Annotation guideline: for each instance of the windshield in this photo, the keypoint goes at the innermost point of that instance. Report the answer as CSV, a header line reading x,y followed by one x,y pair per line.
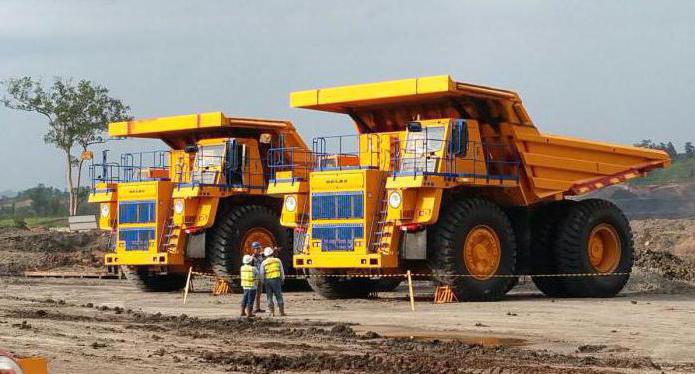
x,y
430,139
419,147
208,162
210,155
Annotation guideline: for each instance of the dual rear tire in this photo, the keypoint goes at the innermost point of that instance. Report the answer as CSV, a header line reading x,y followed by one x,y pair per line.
x,y
591,239
473,248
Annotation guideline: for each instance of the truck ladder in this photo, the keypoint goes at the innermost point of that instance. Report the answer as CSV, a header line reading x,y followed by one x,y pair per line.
x,y
383,229
170,236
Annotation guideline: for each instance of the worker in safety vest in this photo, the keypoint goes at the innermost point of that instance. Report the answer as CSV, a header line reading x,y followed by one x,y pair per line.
x,y
273,275
249,279
257,261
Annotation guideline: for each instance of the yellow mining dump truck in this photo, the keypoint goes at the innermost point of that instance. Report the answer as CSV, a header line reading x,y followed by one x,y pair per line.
x,y
201,203
453,180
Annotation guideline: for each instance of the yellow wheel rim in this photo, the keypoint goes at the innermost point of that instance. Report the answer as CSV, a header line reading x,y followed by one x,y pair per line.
x,y
604,248
482,252
257,234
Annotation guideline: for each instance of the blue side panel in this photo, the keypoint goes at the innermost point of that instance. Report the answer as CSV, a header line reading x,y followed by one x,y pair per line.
x,y
337,237
136,239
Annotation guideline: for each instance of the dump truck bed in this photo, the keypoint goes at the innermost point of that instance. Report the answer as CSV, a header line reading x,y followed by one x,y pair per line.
x,y
177,131
551,165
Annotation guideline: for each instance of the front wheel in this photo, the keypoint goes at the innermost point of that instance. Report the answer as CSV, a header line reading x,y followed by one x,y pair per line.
x,y
336,286
145,280
234,231
473,249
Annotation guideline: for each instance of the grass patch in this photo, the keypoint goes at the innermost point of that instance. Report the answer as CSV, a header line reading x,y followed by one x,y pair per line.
x,y
37,222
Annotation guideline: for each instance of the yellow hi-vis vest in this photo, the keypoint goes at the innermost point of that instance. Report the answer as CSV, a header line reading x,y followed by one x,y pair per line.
x,y
271,268
248,278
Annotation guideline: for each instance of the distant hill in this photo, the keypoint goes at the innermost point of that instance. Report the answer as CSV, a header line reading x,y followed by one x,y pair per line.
x,y
8,193
682,170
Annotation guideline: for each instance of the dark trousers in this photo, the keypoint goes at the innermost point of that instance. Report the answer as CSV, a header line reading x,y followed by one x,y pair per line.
x,y
249,297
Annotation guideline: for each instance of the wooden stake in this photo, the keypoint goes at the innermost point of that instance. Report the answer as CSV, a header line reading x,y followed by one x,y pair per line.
x,y
410,290
188,284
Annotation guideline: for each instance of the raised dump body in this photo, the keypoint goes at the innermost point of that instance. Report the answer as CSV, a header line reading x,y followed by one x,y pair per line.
x,y
172,209
454,179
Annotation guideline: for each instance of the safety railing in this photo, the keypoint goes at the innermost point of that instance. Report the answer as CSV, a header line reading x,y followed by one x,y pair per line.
x,y
346,152
133,167
461,159
328,153
297,160
224,172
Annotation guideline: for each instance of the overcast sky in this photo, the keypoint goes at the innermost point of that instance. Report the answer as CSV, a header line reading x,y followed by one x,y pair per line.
x,y
618,71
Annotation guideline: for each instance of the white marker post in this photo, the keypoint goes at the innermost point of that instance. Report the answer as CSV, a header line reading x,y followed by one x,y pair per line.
x,y
188,283
410,290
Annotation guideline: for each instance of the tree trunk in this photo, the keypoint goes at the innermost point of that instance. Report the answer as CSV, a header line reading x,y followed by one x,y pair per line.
x,y
79,183
71,190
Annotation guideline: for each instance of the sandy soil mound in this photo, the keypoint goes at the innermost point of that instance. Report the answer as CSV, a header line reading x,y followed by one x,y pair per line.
x,y
24,250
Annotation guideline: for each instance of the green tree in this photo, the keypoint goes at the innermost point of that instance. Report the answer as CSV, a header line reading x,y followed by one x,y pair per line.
x,y
77,115
689,150
646,143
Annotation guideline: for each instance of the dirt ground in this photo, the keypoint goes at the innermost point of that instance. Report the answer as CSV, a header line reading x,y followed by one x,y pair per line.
x,y
41,249
108,326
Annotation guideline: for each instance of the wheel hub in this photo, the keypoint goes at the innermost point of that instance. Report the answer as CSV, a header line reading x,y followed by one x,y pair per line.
x,y
604,248
257,234
481,252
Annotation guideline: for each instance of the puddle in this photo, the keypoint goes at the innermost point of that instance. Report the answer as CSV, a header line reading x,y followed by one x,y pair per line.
x,y
429,335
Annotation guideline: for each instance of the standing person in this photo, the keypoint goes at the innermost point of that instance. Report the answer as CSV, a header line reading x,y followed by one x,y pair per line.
x,y
257,261
273,275
249,278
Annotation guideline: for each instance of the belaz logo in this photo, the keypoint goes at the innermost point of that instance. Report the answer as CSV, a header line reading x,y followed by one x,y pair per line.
x,y
336,181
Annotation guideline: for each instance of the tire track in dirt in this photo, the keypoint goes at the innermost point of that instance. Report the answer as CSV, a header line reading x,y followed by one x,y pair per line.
x,y
269,345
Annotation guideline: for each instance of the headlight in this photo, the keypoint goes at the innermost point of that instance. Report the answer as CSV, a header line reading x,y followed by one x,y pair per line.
x,y
178,206
291,203
8,365
105,210
395,199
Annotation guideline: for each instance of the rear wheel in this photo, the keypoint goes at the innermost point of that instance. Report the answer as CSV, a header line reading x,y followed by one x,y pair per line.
x,y
339,287
543,236
142,278
475,239
234,231
594,238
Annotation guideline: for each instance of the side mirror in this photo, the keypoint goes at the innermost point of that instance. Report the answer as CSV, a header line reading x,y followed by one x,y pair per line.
x,y
191,148
414,126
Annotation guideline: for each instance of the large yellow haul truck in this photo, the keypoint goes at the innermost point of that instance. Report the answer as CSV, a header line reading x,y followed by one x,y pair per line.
x,y
200,203
453,180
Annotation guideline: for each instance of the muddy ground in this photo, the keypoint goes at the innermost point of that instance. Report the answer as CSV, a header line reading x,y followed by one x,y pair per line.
x,y
108,326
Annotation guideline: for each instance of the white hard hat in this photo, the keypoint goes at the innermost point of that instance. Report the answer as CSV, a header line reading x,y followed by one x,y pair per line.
x,y
247,259
267,252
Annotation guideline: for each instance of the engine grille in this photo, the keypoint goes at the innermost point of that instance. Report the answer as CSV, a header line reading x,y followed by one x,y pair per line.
x,y
339,237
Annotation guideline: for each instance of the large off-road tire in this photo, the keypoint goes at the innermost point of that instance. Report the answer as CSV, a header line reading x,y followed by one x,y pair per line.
x,y
595,237
340,287
387,284
236,228
474,238
543,236
152,282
